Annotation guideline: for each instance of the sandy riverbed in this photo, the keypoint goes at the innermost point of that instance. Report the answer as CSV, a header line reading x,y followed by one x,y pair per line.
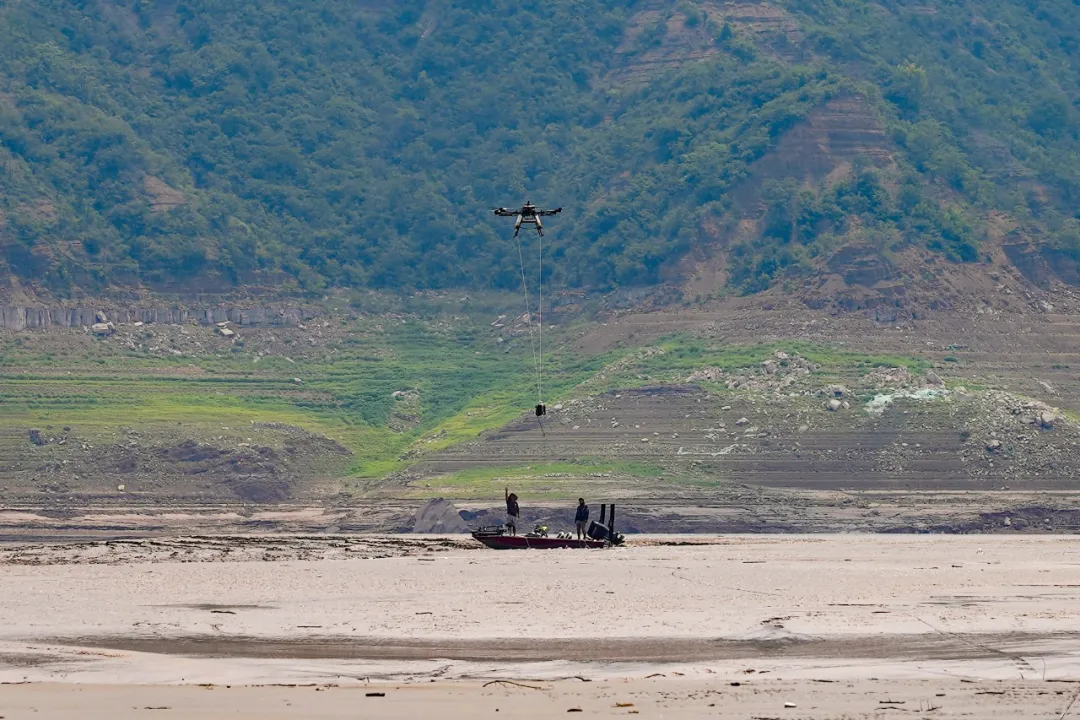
x,y
835,624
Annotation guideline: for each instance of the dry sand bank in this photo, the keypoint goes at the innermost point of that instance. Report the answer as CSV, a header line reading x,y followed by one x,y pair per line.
x,y
881,617
667,698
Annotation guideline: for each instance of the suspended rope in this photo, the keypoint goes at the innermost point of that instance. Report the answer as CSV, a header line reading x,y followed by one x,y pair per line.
x,y
540,323
528,316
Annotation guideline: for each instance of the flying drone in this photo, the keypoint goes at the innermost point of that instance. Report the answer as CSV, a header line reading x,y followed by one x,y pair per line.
x,y
528,214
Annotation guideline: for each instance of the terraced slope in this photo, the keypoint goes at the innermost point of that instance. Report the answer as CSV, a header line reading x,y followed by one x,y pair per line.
x,y
928,439
187,413
695,419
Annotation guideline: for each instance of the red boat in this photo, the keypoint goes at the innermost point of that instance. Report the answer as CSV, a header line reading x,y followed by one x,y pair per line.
x,y
497,539
600,535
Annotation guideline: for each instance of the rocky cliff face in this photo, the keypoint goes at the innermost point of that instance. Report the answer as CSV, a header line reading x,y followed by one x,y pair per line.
x,y
1041,264
819,150
14,317
691,32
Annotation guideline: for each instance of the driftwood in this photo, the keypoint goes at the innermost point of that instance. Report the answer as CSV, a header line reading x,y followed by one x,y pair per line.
x,y
511,682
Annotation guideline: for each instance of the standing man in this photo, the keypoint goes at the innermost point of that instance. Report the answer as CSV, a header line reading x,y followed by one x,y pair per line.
x,y
582,518
512,511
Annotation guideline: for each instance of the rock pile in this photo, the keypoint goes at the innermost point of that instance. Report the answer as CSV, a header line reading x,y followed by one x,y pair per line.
x,y
30,318
897,377
1013,436
777,373
407,412
514,327
707,374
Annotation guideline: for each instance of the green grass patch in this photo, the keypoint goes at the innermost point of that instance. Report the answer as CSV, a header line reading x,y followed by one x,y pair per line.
x,y
467,382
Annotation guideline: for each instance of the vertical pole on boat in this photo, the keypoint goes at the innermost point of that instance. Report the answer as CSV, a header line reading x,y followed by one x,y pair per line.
x,y
611,524
603,512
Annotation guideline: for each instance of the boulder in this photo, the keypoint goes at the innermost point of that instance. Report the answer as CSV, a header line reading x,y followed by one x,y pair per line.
x,y
1046,420
932,378
891,377
835,405
37,437
439,516
711,374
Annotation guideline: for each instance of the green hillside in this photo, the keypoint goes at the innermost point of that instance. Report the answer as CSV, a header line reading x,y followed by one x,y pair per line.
x,y
207,144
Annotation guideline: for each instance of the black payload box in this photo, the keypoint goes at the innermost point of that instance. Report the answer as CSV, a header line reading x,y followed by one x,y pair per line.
x,y
598,531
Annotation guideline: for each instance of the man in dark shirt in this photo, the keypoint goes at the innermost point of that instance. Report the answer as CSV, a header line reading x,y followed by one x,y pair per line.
x,y
512,511
582,518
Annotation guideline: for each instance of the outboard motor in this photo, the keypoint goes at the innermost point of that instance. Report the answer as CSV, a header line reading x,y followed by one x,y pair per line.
x,y
613,537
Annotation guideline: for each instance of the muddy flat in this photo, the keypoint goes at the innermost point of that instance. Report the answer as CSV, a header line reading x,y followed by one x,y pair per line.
x,y
938,646
837,624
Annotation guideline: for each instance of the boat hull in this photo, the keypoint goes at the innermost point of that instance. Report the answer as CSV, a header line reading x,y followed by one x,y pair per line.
x,y
521,542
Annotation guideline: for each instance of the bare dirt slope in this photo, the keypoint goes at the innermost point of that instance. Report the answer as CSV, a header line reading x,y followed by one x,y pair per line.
x,y
985,426
951,406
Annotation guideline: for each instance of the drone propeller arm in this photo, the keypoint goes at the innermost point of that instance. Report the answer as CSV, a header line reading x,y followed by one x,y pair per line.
x,y
503,212
556,211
